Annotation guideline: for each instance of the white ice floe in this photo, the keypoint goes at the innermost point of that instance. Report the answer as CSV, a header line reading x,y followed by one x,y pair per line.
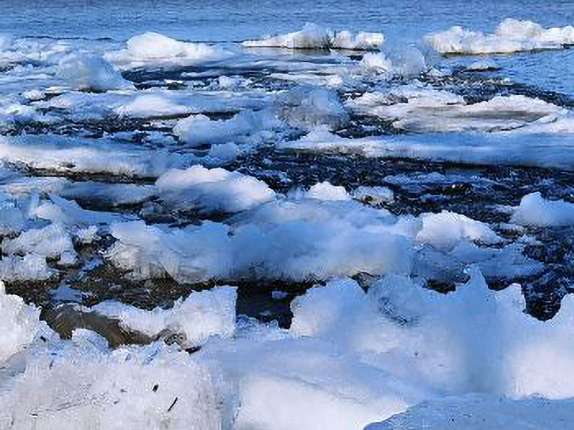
x,y
511,36
446,229
307,107
510,148
313,36
212,190
421,109
202,315
244,127
408,63
327,192
76,155
535,210
89,72
291,240
156,50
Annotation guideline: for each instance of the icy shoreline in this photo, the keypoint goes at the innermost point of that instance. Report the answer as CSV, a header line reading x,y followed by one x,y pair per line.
x,y
325,233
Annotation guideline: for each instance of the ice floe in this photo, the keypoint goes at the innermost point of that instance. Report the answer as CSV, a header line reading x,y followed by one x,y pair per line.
x,y
511,36
313,36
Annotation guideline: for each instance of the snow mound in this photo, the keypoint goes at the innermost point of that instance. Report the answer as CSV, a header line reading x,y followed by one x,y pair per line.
x,y
89,72
511,36
535,210
313,36
212,190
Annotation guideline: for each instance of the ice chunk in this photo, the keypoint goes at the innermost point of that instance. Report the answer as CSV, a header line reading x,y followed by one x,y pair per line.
x,y
511,36
308,107
313,36
373,195
50,241
89,72
199,129
31,267
153,49
535,210
18,323
326,191
212,190
446,229
84,385
202,315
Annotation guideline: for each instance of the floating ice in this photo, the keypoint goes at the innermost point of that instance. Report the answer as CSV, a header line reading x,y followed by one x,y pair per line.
x,y
423,110
89,72
511,36
307,107
535,210
212,190
313,36
202,315
75,155
512,148
326,191
446,229
156,50
199,129
18,323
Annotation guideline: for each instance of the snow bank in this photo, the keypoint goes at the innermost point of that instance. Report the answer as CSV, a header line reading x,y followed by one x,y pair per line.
x,y
212,190
89,72
511,36
313,36
202,315
153,49
535,210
